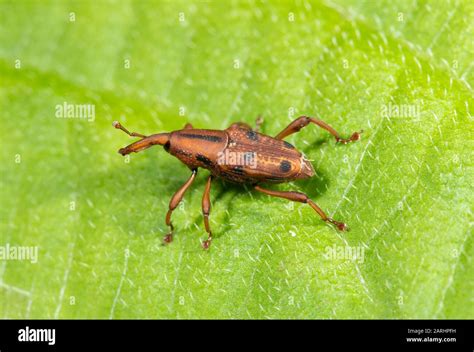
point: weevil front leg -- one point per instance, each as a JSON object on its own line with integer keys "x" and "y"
{"x": 304, "y": 121}
{"x": 206, "y": 209}
{"x": 303, "y": 198}
{"x": 117, "y": 125}
{"x": 175, "y": 200}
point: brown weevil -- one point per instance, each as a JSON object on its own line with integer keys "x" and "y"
{"x": 238, "y": 154}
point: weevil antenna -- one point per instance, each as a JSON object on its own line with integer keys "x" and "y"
{"x": 117, "y": 125}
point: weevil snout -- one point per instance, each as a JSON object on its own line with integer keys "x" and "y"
{"x": 145, "y": 141}
{"x": 124, "y": 151}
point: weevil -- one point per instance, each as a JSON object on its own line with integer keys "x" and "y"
{"x": 239, "y": 154}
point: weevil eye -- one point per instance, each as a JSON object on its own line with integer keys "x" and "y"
{"x": 167, "y": 146}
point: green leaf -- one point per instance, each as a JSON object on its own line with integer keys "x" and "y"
{"x": 402, "y": 72}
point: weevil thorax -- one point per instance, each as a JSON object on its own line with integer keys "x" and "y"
{"x": 197, "y": 148}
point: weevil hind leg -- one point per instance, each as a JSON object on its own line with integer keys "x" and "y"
{"x": 174, "y": 202}
{"x": 119, "y": 126}
{"x": 304, "y": 121}
{"x": 206, "y": 209}
{"x": 303, "y": 198}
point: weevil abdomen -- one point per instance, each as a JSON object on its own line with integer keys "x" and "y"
{"x": 254, "y": 157}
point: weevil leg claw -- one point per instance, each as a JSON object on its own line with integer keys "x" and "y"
{"x": 339, "y": 225}
{"x": 168, "y": 238}
{"x": 207, "y": 243}
{"x": 354, "y": 137}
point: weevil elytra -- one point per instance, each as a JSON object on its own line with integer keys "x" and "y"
{"x": 238, "y": 154}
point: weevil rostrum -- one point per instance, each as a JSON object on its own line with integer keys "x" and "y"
{"x": 238, "y": 154}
